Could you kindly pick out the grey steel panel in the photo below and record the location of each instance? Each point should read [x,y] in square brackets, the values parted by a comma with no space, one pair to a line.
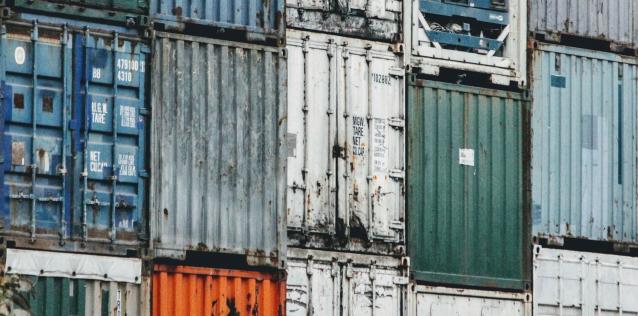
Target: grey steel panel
[437,300]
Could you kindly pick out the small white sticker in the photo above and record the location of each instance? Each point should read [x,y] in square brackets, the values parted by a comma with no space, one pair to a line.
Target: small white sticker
[466,157]
[20,55]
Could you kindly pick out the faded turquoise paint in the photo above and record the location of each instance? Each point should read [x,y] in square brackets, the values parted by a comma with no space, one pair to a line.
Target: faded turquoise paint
[466,223]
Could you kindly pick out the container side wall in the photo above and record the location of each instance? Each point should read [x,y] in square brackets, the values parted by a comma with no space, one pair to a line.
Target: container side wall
[584,144]
[433,300]
[465,203]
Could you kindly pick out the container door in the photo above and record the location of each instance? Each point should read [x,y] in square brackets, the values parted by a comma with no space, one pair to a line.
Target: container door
[109,145]
[35,86]
[372,290]
[313,287]
[370,138]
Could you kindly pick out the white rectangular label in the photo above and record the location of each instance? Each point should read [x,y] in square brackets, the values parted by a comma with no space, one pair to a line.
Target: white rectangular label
[466,156]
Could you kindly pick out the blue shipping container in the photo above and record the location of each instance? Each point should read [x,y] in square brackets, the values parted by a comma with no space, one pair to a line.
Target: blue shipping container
[74,139]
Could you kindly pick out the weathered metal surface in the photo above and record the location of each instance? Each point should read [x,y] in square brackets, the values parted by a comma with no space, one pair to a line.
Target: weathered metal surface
[74,148]
[75,284]
[184,290]
[612,20]
[334,283]
[346,142]
[505,66]
[378,20]
[584,283]
[584,144]
[258,18]
[437,300]
[217,160]
[465,185]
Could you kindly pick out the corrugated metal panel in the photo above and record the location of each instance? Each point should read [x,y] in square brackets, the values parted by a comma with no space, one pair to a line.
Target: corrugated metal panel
[436,300]
[584,283]
[504,66]
[218,181]
[182,290]
[74,166]
[262,17]
[465,185]
[584,144]
[345,93]
[378,20]
[336,283]
[613,20]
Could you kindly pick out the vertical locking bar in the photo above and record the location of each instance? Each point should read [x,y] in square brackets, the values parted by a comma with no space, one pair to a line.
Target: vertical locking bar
[370,120]
[331,159]
[306,146]
[87,125]
[115,167]
[63,171]
[34,98]
[346,115]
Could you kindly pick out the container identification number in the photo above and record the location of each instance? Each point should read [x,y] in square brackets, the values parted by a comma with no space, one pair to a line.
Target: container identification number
[379,78]
[126,68]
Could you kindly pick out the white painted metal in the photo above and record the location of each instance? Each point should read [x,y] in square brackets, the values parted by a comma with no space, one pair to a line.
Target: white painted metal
[429,56]
[584,283]
[332,283]
[435,301]
[73,265]
[346,136]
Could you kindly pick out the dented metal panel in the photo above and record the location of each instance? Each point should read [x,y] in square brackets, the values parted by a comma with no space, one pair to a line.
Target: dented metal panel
[378,20]
[218,181]
[584,134]
[331,283]
[504,66]
[611,20]
[584,283]
[74,138]
[258,18]
[346,139]
[436,300]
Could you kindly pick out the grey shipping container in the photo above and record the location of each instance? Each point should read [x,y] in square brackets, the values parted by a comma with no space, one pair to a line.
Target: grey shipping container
[610,20]
[217,160]
[437,300]
[584,283]
[348,94]
[74,139]
[584,135]
[338,283]
[64,284]
[256,19]
[378,20]
[467,220]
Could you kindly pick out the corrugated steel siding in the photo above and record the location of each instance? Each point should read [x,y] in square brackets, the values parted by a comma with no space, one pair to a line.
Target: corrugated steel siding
[182,290]
[466,222]
[378,20]
[350,92]
[337,283]
[584,144]
[584,283]
[614,20]
[264,17]
[218,179]
[74,166]
[436,300]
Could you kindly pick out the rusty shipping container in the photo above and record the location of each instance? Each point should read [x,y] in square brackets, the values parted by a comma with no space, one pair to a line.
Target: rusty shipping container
[184,290]
[54,283]
[437,300]
[74,169]
[610,20]
[217,160]
[378,20]
[467,219]
[346,143]
[339,283]
[584,140]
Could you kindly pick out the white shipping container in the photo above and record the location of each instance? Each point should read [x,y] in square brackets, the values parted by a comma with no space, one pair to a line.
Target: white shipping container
[331,283]
[436,300]
[429,57]
[583,283]
[345,137]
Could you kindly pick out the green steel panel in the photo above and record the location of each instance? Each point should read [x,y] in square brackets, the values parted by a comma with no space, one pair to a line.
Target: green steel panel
[57,296]
[466,224]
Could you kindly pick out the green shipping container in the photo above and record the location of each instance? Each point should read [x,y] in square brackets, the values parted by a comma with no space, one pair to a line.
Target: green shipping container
[132,13]
[467,224]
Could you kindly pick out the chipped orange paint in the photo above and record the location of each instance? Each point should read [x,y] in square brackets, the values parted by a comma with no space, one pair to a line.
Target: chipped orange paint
[184,290]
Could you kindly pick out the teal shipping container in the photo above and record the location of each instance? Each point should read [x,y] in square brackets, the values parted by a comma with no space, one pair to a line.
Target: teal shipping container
[465,204]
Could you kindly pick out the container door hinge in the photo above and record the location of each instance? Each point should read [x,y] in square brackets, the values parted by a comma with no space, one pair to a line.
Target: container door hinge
[397,174]
[397,72]
[396,122]
[400,280]
[143,174]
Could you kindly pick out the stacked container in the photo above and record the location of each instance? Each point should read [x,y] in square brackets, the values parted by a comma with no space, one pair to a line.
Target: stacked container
[583,155]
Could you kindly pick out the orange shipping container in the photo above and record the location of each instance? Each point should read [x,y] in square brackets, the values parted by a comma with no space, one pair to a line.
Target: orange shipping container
[184,290]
